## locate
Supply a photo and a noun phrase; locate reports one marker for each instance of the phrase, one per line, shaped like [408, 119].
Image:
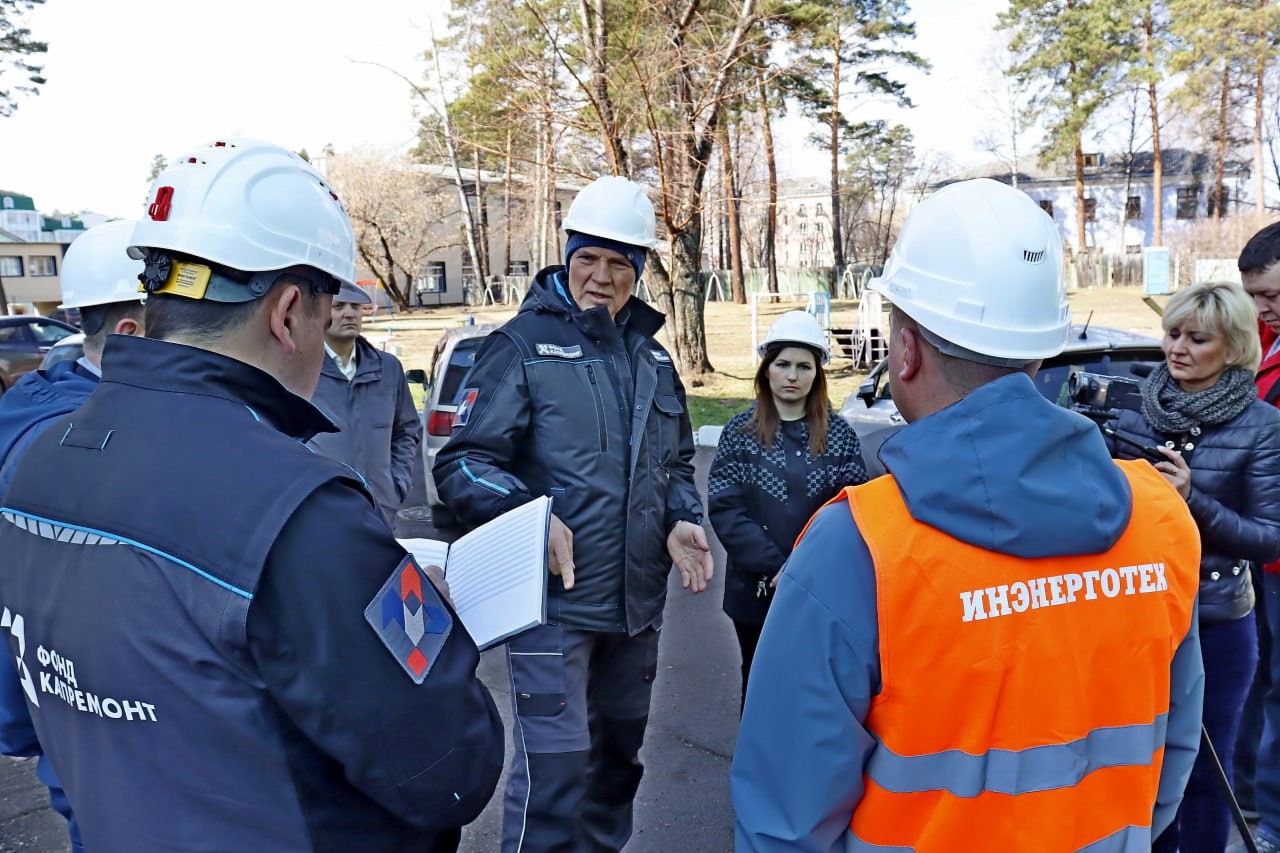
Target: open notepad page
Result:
[497, 574]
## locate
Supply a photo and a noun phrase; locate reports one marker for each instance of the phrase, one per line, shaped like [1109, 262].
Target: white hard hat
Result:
[796, 327]
[614, 208]
[979, 265]
[97, 269]
[247, 206]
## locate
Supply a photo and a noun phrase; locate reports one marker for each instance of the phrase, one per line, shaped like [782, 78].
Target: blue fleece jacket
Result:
[27, 409]
[1005, 470]
[33, 403]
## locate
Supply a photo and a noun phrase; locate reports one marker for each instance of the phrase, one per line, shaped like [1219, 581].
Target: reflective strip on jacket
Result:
[1013, 763]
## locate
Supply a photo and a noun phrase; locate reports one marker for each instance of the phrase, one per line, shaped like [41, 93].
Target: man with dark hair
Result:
[219, 640]
[100, 279]
[1257, 748]
[363, 390]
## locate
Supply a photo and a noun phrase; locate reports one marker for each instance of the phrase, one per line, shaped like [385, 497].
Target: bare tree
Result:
[401, 216]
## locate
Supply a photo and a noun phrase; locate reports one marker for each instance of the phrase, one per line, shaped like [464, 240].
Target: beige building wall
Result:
[30, 275]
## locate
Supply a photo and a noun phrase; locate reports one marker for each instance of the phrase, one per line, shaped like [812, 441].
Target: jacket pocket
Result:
[598, 399]
[669, 406]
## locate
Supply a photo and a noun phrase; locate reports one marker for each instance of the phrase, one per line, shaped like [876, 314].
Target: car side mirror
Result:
[417, 376]
[867, 391]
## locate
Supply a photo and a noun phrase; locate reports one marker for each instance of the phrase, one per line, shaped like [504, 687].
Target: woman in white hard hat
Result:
[776, 464]
[1219, 446]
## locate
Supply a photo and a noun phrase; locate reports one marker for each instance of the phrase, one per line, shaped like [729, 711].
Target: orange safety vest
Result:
[1023, 702]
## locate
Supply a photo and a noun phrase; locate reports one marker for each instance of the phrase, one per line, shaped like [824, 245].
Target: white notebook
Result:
[497, 573]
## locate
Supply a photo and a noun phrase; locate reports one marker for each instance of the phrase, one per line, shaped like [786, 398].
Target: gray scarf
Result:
[1170, 409]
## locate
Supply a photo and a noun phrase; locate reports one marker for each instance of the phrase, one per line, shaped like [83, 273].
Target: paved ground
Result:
[683, 802]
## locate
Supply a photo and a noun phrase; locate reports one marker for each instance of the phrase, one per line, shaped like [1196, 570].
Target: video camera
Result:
[1100, 398]
[1090, 391]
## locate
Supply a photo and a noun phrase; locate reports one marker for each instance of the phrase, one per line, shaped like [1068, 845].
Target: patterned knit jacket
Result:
[753, 512]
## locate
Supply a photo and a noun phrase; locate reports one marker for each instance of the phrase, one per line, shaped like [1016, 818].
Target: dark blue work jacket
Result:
[590, 412]
[184, 590]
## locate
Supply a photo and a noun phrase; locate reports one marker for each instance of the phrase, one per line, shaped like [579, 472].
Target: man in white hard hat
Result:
[994, 646]
[220, 642]
[574, 399]
[101, 280]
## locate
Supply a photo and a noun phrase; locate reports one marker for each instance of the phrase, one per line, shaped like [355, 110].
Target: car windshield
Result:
[48, 333]
[463, 356]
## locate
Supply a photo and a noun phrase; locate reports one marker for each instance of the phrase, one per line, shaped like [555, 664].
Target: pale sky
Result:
[129, 79]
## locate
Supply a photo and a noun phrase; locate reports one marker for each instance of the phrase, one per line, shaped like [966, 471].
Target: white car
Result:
[454, 354]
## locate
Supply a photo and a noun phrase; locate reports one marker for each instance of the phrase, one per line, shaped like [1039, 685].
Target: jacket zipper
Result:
[595, 396]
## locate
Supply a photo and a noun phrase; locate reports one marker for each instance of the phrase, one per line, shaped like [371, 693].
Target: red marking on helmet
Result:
[219, 145]
[159, 209]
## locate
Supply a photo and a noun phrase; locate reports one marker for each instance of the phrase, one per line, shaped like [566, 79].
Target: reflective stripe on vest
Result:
[1023, 702]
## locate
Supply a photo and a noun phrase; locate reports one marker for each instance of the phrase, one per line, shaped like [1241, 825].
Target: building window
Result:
[559, 208]
[1133, 207]
[818, 209]
[11, 267]
[8, 203]
[1092, 161]
[820, 227]
[800, 210]
[1188, 199]
[1090, 210]
[468, 273]
[801, 227]
[1047, 207]
[43, 265]
[66, 222]
[432, 280]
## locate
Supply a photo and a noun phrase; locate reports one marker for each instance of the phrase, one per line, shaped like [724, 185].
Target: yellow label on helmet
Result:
[189, 280]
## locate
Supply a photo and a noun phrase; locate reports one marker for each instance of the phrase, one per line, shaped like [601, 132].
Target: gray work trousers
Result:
[580, 704]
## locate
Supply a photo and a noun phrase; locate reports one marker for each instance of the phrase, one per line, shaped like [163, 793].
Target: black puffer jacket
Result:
[570, 404]
[1235, 499]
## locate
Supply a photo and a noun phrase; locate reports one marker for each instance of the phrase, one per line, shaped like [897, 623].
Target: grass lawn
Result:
[717, 396]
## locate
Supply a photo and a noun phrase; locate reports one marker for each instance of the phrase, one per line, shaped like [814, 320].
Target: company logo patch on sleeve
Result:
[659, 355]
[558, 351]
[466, 405]
[410, 619]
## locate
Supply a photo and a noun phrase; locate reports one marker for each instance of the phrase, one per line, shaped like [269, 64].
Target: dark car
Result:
[1095, 349]
[453, 356]
[24, 340]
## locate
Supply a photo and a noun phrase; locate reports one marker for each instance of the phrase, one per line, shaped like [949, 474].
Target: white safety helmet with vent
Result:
[245, 206]
[979, 265]
[97, 269]
[615, 208]
[796, 327]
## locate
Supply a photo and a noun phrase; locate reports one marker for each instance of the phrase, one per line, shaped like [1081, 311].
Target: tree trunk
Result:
[731, 209]
[468, 223]
[482, 223]
[1079, 155]
[1157, 161]
[687, 329]
[1259, 185]
[771, 215]
[836, 242]
[506, 209]
[1219, 188]
[595, 39]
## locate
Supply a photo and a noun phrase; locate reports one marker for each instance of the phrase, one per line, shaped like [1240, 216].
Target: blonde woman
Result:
[1221, 448]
